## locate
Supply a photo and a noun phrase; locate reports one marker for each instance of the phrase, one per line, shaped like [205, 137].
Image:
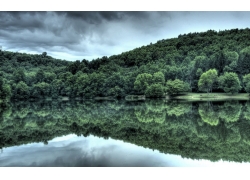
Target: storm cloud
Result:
[88, 35]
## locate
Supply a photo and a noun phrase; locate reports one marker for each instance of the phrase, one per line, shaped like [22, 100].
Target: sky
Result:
[78, 35]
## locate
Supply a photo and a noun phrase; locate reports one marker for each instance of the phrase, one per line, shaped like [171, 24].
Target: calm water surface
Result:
[125, 134]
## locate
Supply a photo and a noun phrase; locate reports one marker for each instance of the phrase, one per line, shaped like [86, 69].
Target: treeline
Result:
[151, 70]
[212, 131]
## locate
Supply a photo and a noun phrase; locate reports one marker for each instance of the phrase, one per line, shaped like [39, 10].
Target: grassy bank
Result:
[213, 96]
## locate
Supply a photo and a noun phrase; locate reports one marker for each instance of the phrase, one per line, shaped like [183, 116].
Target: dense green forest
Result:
[205, 130]
[173, 66]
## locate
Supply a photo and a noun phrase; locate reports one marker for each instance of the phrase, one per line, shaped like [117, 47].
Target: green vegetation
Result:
[205, 130]
[212, 96]
[194, 60]
[230, 82]
[246, 83]
[5, 91]
[207, 80]
[176, 87]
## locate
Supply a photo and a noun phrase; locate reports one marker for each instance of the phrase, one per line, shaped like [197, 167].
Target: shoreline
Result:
[211, 96]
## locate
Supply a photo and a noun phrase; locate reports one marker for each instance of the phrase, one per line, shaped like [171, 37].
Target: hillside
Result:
[144, 70]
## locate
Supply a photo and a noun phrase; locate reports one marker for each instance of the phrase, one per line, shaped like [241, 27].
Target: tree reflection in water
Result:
[207, 130]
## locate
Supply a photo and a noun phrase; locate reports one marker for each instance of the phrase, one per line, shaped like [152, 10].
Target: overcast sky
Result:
[89, 35]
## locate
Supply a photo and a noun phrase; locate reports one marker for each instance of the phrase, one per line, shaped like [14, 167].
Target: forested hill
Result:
[151, 70]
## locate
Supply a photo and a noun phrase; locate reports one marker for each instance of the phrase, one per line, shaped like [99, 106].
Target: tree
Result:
[40, 75]
[230, 82]
[41, 90]
[158, 77]
[201, 62]
[115, 91]
[44, 54]
[155, 90]
[244, 61]
[246, 83]
[5, 90]
[176, 86]
[19, 75]
[21, 91]
[142, 82]
[207, 80]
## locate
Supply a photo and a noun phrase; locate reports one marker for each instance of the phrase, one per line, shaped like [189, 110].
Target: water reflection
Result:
[84, 152]
[91, 151]
[207, 130]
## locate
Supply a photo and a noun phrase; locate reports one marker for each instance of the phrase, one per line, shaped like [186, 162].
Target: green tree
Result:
[19, 75]
[176, 86]
[142, 82]
[44, 54]
[155, 90]
[230, 82]
[41, 90]
[246, 83]
[40, 75]
[231, 61]
[244, 61]
[201, 62]
[207, 80]
[159, 78]
[21, 91]
[5, 91]
[115, 91]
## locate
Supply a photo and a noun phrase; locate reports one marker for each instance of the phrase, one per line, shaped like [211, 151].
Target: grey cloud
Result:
[86, 34]
[15, 21]
[93, 17]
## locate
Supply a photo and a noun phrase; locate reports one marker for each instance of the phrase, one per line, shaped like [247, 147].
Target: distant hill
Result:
[185, 58]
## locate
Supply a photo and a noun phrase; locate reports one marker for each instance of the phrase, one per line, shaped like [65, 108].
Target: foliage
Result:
[155, 90]
[176, 86]
[5, 91]
[21, 91]
[230, 82]
[171, 127]
[207, 80]
[246, 83]
[208, 114]
[192, 58]
[142, 82]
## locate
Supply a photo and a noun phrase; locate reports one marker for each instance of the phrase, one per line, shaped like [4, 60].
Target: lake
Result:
[151, 133]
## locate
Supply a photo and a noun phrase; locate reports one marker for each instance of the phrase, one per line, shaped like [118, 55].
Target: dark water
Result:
[127, 134]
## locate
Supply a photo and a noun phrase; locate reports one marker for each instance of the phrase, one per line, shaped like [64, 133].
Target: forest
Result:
[209, 61]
